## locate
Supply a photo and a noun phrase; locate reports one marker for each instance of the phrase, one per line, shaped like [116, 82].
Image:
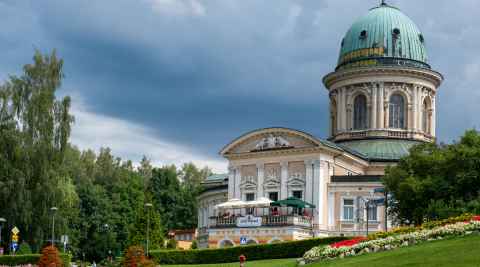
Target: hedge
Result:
[14, 260]
[290, 249]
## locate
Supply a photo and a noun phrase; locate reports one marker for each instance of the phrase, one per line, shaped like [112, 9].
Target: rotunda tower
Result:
[383, 91]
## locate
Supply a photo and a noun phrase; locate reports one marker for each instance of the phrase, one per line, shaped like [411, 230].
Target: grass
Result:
[461, 252]
[264, 263]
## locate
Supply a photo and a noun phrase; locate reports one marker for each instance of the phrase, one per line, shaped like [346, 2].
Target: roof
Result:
[384, 36]
[216, 177]
[357, 179]
[380, 149]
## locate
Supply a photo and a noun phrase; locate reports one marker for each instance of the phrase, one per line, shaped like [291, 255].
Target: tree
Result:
[436, 181]
[34, 132]
[138, 231]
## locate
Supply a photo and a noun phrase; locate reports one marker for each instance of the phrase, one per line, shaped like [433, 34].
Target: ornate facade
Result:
[382, 102]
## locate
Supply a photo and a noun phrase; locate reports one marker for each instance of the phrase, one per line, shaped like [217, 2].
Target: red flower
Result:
[476, 218]
[348, 243]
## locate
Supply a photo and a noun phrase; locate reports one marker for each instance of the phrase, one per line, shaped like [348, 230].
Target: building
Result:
[382, 102]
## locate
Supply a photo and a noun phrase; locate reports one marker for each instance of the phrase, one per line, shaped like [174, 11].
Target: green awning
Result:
[292, 202]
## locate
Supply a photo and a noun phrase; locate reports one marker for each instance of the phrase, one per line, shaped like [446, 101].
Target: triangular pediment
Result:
[271, 139]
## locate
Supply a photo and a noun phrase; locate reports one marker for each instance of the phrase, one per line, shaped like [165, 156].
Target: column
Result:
[316, 194]
[284, 180]
[419, 107]
[381, 115]
[260, 177]
[231, 182]
[309, 187]
[344, 108]
[373, 120]
[339, 110]
[433, 117]
[238, 177]
[415, 108]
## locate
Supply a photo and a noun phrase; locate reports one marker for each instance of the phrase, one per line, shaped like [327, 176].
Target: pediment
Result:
[270, 139]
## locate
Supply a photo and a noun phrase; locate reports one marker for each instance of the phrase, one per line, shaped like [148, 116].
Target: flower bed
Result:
[349, 242]
[320, 253]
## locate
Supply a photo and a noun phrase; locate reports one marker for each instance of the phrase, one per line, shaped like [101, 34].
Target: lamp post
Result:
[106, 226]
[148, 206]
[2, 221]
[54, 210]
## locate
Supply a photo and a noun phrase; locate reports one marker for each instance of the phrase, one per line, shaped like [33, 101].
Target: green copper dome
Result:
[384, 36]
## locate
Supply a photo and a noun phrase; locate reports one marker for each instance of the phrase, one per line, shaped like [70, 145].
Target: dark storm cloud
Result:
[200, 73]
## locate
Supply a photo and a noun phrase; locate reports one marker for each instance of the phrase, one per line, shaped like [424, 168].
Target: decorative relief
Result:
[272, 142]
[272, 175]
[296, 173]
[249, 177]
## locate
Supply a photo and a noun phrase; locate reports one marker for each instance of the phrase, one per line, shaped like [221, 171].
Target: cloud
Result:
[199, 73]
[178, 7]
[131, 141]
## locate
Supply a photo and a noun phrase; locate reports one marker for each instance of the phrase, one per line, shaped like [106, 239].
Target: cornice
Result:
[432, 76]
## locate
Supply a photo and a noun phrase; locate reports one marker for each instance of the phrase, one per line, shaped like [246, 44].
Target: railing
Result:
[267, 220]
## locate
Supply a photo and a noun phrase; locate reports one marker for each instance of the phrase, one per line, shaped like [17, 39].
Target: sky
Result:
[176, 80]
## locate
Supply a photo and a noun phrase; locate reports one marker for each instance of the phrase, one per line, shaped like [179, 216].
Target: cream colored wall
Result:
[415, 86]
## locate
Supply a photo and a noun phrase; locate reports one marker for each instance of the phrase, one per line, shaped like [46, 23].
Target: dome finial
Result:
[383, 3]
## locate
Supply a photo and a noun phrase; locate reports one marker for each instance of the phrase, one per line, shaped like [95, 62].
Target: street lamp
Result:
[148, 206]
[2, 221]
[53, 209]
[107, 228]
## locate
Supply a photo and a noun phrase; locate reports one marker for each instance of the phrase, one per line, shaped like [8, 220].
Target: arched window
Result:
[333, 117]
[360, 113]
[426, 116]
[397, 112]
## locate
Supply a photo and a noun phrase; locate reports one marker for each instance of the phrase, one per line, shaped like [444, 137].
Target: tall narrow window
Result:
[426, 116]
[397, 112]
[333, 119]
[348, 209]
[360, 113]
[372, 213]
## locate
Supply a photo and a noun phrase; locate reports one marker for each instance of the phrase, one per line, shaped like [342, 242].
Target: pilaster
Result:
[309, 187]
[238, 177]
[284, 180]
[260, 175]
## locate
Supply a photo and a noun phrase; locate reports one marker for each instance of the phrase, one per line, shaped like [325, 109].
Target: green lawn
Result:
[454, 252]
[462, 252]
[265, 263]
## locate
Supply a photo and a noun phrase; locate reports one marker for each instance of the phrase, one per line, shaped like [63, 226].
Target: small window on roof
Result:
[420, 36]
[343, 41]
[396, 32]
[363, 34]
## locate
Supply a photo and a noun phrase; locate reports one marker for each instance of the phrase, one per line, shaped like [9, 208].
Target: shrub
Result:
[290, 249]
[14, 260]
[194, 244]
[135, 257]
[172, 244]
[50, 257]
[24, 249]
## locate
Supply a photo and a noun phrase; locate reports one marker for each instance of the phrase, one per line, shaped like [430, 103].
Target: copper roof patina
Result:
[384, 36]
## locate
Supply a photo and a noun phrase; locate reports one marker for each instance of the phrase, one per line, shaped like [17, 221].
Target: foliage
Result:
[99, 197]
[50, 257]
[194, 244]
[138, 231]
[135, 257]
[436, 181]
[24, 249]
[34, 131]
[171, 244]
[291, 249]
